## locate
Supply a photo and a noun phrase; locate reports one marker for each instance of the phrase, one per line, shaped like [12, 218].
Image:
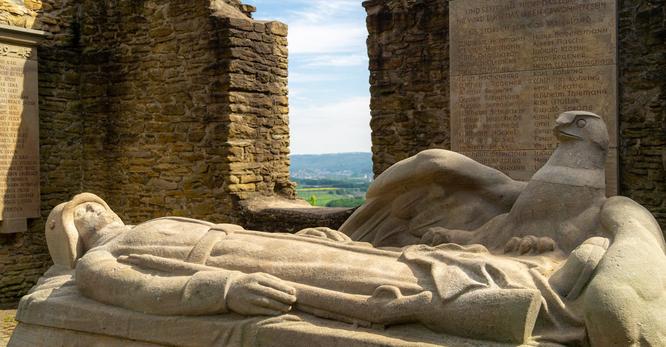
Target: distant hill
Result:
[332, 166]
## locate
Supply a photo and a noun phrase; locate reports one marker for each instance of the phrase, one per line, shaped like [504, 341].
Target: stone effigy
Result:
[548, 262]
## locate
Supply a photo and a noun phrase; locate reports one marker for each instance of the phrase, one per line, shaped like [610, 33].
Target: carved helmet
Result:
[62, 237]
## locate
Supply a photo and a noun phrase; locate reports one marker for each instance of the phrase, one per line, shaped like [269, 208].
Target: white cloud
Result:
[341, 126]
[319, 11]
[325, 38]
[305, 38]
[324, 26]
[340, 60]
[313, 77]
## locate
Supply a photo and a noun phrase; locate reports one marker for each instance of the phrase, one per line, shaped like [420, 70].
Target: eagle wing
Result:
[433, 189]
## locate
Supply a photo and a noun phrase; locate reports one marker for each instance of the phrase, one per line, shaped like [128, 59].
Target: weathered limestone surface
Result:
[301, 330]
[164, 107]
[409, 43]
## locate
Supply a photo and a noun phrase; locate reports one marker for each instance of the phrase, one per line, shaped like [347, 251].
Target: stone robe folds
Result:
[179, 266]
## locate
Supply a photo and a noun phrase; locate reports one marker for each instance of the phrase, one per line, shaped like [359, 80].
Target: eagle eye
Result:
[581, 123]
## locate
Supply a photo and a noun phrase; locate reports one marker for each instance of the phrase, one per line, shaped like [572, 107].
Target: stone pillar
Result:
[408, 46]
[258, 141]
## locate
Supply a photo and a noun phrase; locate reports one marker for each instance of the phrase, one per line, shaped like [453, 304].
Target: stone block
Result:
[277, 28]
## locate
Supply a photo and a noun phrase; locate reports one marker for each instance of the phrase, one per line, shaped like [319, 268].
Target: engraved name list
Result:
[19, 133]
[517, 64]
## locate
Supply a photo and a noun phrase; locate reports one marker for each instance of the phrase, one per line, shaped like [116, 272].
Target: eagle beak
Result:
[562, 135]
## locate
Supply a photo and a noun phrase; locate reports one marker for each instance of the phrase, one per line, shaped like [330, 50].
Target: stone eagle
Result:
[440, 196]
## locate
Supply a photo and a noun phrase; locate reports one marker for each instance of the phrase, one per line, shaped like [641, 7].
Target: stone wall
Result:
[153, 106]
[409, 80]
[23, 256]
[408, 49]
[642, 65]
[193, 106]
[160, 107]
[258, 140]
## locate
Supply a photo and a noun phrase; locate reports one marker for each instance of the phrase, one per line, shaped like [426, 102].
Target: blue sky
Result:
[328, 73]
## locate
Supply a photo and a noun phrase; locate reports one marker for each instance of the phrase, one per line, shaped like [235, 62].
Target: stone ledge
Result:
[277, 214]
[21, 36]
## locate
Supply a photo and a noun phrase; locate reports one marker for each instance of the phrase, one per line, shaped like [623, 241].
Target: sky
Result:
[328, 73]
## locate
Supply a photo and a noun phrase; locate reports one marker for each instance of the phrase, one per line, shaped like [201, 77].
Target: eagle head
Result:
[581, 126]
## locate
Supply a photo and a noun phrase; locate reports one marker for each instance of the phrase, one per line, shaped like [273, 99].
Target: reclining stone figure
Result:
[179, 266]
[594, 275]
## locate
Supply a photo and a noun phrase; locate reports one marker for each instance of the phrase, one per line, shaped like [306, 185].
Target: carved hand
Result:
[530, 245]
[260, 294]
[325, 233]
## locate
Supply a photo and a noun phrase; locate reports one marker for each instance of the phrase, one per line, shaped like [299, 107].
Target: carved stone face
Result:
[581, 127]
[91, 217]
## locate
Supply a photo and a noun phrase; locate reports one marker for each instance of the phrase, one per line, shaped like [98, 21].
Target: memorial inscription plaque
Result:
[19, 127]
[517, 64]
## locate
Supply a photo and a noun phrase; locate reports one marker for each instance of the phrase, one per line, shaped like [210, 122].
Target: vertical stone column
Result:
[19, 128]
[408, 46]
[258, 140]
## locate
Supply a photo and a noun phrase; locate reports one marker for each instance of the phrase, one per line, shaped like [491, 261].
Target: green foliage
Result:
[348, 202]
[334, 183]
[332, 197]
[332, 180]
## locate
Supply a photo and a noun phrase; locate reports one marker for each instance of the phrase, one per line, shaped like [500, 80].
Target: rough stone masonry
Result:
[162, 107]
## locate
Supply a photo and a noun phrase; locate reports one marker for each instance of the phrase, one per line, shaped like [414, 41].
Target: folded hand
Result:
[260, 294]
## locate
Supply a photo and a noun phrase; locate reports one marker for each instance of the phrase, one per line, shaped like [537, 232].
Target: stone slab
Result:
[19, 132]
[20, 36]
[28, 335]
[55, 309]
[517, 64]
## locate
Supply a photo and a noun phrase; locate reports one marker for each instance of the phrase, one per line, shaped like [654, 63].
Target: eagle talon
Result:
[529, 245]
[436, 236]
